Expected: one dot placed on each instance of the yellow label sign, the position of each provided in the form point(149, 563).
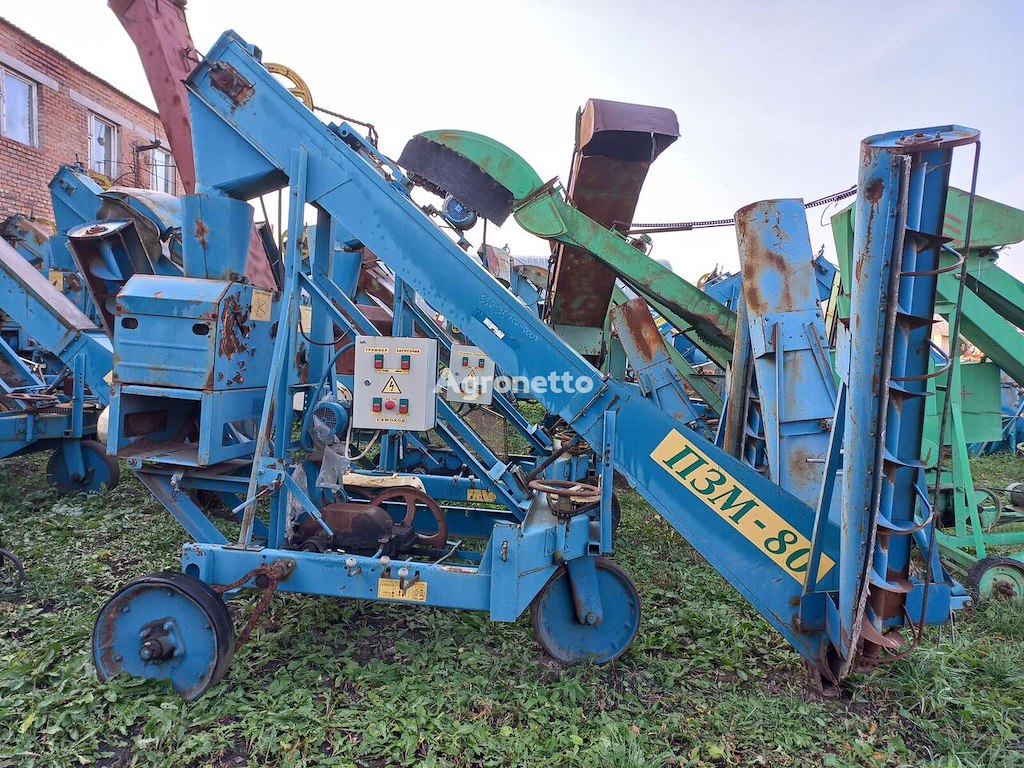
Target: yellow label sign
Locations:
point(480, 494)
point(391, 388)
point(57, 279)
point(731, 501)
point(306, 318)
point(262, 302)
point(391, 589)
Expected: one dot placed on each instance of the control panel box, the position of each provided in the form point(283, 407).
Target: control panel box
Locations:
point(394, 384)
point(470, 376)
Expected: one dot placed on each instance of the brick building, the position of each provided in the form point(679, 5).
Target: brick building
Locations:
point(54, 112)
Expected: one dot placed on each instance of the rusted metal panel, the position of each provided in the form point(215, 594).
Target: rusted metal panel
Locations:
point(617, 143)
point(795, 389)
point(639, 333)
point(648, 356)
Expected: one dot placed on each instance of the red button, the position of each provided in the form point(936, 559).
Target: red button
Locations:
point(389, 404)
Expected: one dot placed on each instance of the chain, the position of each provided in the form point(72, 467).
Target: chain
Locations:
point(270, 574)
point(635, 228)
point(371, 131)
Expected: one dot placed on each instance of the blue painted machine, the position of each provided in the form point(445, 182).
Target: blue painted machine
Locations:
point(57, 373)
point(832, 577)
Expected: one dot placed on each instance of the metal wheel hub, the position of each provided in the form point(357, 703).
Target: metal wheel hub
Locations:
point(166, 626)
point(998, 577)
point(101, 471)
point(564, 637)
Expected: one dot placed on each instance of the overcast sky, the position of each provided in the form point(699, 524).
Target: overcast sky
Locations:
point(772, 97)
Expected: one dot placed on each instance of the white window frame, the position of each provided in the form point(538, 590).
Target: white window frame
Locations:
point(170, 172)
point(33, 118)
point(113, 154)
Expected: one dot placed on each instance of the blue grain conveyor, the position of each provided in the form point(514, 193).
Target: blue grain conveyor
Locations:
point(836, 589)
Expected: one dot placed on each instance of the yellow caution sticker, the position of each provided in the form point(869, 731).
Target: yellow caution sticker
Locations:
point(480, 494)
point(262, 302)
point(57, 279)
point(731, 501)
point(391, 388)
point(306, 318)
point(391, 589)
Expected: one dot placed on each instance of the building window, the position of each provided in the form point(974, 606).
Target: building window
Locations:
point(17, 108)
point(162, 176)
point(103, 147)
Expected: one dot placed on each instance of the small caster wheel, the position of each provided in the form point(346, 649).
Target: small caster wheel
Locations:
point(165, 626)
point(100, 470)
point(12, 572)
point(1001, 577)
point(560, 632)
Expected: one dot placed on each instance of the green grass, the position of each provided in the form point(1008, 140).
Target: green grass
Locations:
point(325, 682)
point(997, 470)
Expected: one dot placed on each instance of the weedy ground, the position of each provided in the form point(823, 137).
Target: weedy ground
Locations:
point(331, 683)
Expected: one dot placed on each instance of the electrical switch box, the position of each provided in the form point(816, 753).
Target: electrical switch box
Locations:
point(395, 382)
point(470, 376)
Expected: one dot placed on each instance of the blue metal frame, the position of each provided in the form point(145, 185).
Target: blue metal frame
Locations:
point(789, 560)
point(343, 184)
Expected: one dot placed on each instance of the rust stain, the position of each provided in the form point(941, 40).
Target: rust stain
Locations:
point(643, 331)
point(234, 329)
point(201, 231)
point(228, 81)
point(874, 191)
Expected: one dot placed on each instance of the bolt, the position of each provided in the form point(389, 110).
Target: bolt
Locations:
point(145, 654)
point(177, 652)
point(124, 609)
point(119, 658)
point(403, 573)
point(143, 634)
point(167, 626)
point(590, 618)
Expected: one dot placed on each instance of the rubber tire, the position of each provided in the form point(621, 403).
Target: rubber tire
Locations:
point(19, 569)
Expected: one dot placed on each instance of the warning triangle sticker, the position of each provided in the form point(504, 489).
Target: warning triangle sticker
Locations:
point(391, 388)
